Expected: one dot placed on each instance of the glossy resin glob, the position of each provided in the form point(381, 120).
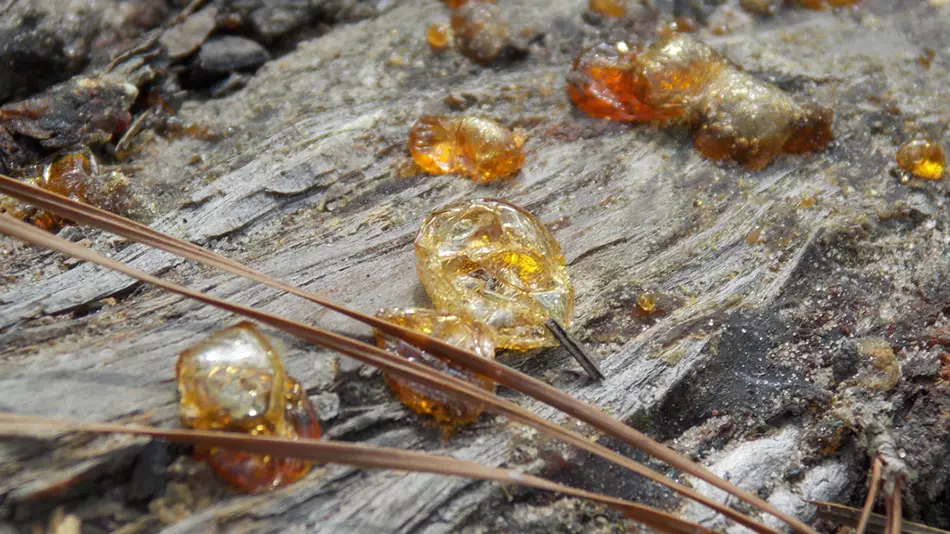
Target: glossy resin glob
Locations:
point(481, 31)
point(68, 175)
point(923, 158)
point(235, 381)
point(497, 263)
point(75, 175)
point(732, 114)
point(439, 37)
point(448, 411)
point(603, 83)
point(476, 147)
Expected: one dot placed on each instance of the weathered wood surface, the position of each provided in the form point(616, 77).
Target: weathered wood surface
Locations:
point(307, 189)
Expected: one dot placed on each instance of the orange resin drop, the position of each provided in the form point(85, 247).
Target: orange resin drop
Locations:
point(439, 37)
point(235, 381)
point(448, 411)
point(604, 83)
point(733, 115)
point(68, 175)
point(476, 147)
point(923, 158)
point(608, 8)
point(481, 31)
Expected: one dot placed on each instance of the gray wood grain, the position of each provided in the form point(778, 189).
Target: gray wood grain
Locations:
point(308, 190)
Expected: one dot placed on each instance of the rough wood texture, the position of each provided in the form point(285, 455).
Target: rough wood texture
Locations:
point(764, 277)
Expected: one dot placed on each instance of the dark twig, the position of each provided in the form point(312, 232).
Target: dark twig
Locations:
point(574, 348)
point(872, 495)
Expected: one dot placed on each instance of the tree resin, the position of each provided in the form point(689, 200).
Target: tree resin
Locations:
point(450, 412)
point(733, 115)
point(476, 147)
point(495, 262)
point(923, 158)
point(235, 381)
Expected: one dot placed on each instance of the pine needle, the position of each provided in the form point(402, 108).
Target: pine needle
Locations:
point(502, 374)
point(850, 517)
point(353, 454)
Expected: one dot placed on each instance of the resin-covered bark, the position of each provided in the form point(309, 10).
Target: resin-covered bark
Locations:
point(753, 360)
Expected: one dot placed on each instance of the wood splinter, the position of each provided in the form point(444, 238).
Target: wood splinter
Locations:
point(574, 348)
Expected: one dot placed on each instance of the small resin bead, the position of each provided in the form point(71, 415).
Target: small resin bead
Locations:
point(495, 262)
point(235, 381)
point(479, 148)
point(481, 31)
point(608, 8)
point(448, 411)
point(439, 37)
point(923, 158)
point(646, 301)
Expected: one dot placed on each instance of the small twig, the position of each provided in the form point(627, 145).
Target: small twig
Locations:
point(889, 515)
point(185, 13)
point(129, 133)
point(848, 517)
point(145, 45)
point(872, 495)
point(896, 513)
point(574, 348)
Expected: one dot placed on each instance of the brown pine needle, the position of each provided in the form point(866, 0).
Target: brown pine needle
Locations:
point(896, 512)
point(502, 374)
point(849, 517)
point(377, 357)
point(358, 455)
point(875, 483)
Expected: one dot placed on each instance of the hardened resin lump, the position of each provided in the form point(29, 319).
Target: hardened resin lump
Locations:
point(733, 115)
point(448, 411)
point(603, 83)
point(68, 175)
point(481, 31)
point(476, 147)
point(235, 381)
point(497, 263)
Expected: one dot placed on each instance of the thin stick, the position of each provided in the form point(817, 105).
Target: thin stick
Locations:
point(130, 132)
point(889, 512)
point(896, 512)
point(574, 348)
point(354, 454)
point(185, 13)
point(849, 517)
point(872, 494)
point(372, 355)
point(502, 374)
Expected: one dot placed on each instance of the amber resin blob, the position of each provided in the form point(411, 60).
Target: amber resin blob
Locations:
point(603, 83)
point(481, 31)
point(235, 381)
point(68, 175)
point(461, 331)
point(476, 147)
point(923, 158)
point(497, 263)
point(76, 175)
point(733, 115)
